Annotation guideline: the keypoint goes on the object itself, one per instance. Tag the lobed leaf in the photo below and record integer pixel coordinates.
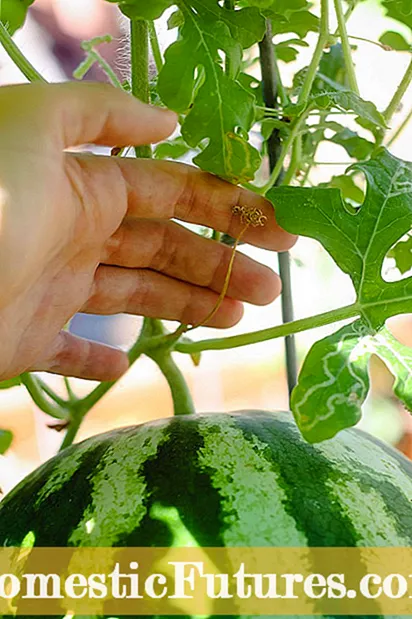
(219, 109)
(358, 242)
(333, 383)
(334, 378)
(401, 10)
(356, 146)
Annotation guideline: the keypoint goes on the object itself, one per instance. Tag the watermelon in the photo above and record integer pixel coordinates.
(236, 479)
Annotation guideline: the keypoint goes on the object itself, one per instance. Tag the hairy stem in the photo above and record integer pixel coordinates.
(18, 57)
(287, 144)
(255, 337)
(399, 94)
(317, 55)
(139, 50)
(346, 48)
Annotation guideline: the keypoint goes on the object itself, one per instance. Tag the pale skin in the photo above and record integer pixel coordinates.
(88, 233)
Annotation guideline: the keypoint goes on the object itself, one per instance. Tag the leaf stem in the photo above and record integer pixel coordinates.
(155, 47)
(399, 94)
(18, 57)
(346, 48)
(287, 144)
(317, 55)
(297, 326)
(38, 396)
(139, 52)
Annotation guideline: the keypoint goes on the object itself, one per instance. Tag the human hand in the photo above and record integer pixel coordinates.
(80, 232)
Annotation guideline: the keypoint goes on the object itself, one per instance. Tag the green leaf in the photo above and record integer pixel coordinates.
(173, 149)
(333, 383)
(298, 22)
(221, 111)
(286, 50)
(401, 10)
(334, 380)
(269, 124)
(350, 190)
(6, 438)
(13, 13)
(246, 26)
(396, 41)
(356, 146)
(11, 382)
(142, 9)
(358, 243)
(402, 253)
(333, 66)
(337, 96)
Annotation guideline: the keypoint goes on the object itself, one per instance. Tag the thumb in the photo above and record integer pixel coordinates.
(96, 113)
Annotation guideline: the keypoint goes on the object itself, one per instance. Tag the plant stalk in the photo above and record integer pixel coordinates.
(399, 94)
(38, 396)
(287, 144)
(181, 396)
(182, 400)
(139, 52)
(297, 326)
(19, 58)
(317, 55)
(346, 48)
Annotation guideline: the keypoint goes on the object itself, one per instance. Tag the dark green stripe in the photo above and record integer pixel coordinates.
(176, 482)
(53, 520)
(304, 473)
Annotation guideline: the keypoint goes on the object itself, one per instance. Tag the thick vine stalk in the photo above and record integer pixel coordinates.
(139, 44)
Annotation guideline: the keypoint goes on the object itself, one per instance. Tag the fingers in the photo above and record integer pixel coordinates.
(166, 190)
(152, 294)
(179, 253)
(70, 355)
(101, 114)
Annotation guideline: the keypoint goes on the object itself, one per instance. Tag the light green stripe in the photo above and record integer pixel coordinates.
(119, 489)
(252, 498)
(368, 513)
(353, 449)
(63, 471)
(365, 507)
